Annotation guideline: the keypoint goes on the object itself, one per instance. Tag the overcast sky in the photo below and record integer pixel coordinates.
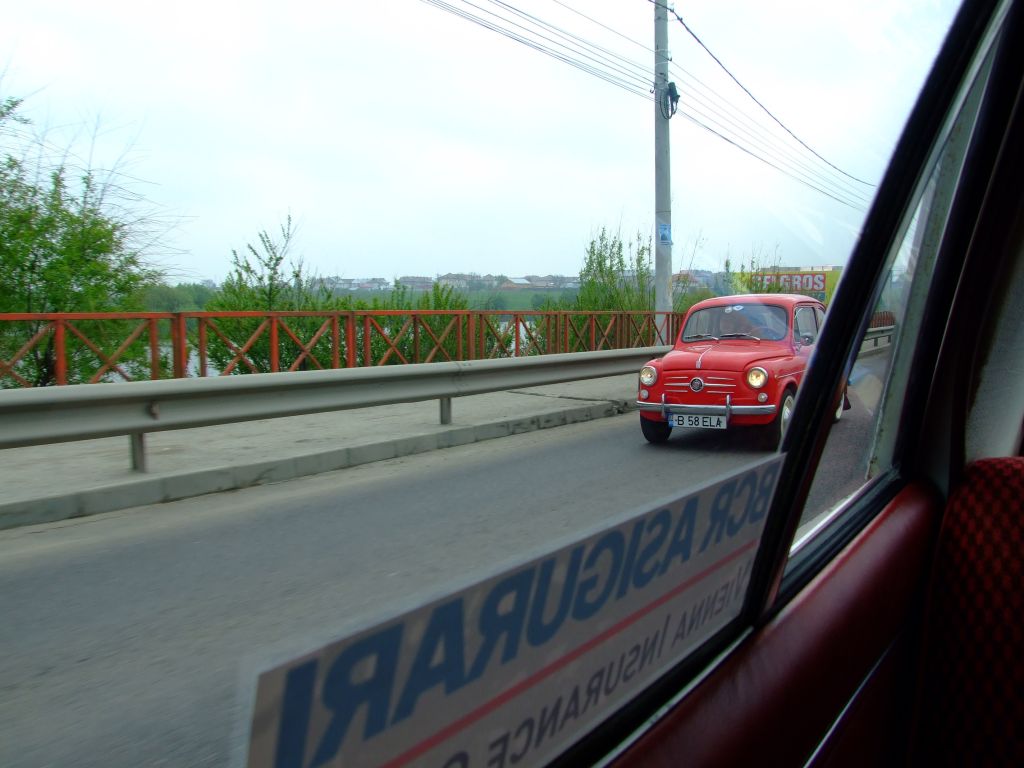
(404, 140)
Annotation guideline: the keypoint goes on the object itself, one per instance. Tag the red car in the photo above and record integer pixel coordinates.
(738, 362)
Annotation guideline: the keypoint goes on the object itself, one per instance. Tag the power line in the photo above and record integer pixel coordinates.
(599, 61)
(805, 182)
(768, 141)
(631, 69)
(751, 95)
(759, 153)
(740, 115)
(603, 26)
(631, 84)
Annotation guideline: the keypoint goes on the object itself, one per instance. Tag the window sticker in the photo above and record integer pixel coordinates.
(521, 665)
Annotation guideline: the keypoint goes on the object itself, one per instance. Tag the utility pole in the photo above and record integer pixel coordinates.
(662, 170)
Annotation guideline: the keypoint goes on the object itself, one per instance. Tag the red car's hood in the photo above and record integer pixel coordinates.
(722, 355)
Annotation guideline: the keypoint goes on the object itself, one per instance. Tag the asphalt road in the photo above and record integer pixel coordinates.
(134, 638)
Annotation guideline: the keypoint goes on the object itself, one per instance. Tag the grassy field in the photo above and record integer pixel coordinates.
(512, 300)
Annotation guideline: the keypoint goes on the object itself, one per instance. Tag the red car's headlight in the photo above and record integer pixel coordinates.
(757, 377)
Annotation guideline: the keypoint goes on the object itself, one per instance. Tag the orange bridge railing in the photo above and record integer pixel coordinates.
(73, 348)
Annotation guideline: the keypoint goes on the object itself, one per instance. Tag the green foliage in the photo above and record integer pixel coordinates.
(616, 278)
(684, 301)
(264, 278)
(497, 301)
(65, 246)
(728, 281)
(439, 297)
(183, 297)
(521, 300)
(428, 339)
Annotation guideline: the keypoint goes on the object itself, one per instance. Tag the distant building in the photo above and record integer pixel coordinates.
(489, 281)
(416, 282)
(692, 279)
(542, 283)
(454, 280)
(682, 281)
(563, 281)
(375, 284)
(516, 284)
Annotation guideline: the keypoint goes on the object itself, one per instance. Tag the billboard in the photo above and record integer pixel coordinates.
(818, 285)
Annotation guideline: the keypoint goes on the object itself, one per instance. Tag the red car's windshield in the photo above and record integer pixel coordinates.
(761, 321)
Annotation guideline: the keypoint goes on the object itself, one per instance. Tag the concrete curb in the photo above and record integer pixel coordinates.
(182, 485)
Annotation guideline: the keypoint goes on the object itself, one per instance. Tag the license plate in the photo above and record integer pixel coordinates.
(701, 422)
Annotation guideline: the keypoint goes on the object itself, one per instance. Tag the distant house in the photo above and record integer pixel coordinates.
(536, 281)
(375, 284)
(562, 281)
(682, 281)
(332, 283)
(489, 281)
(455, 280)
(516, 284)
(692, 279)
(416, 282)
(703, 277)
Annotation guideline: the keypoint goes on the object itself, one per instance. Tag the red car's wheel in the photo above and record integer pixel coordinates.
(655, 431)
(844, 405)
(773, 432)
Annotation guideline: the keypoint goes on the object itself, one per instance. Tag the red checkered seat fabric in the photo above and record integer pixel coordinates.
(971, 694)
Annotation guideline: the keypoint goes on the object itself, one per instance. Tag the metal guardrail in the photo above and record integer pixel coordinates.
(40, 416)
(62, 414)
(875, 335)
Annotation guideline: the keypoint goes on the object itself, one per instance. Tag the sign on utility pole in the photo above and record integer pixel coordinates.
(663, 108)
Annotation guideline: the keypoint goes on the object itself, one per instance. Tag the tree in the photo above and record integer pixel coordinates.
(616, 278)
(183, 297)
(264, 278)
(66, 245)
(495, 300)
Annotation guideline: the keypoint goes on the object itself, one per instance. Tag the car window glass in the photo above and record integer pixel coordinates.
(765, 321)
(861, 442)
(806, 325)
(699, 325)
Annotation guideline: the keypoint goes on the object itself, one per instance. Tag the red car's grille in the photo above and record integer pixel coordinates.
(717, 384)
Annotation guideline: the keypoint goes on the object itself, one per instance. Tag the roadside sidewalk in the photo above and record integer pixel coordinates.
(55, 482)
